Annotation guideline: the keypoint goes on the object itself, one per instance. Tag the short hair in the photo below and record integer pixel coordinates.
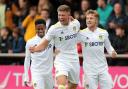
(93, 12)
(40, 21)
(123, 27)
(85, 1)
(64, 8)
(33, 8)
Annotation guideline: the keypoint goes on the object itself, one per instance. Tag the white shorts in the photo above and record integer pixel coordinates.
(69, 69)
(104, 79)
(43, 81)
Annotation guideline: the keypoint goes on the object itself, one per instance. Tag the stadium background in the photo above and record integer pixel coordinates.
(17, 21)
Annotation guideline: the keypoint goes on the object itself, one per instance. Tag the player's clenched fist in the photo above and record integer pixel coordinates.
(32, 49)
(114, 54)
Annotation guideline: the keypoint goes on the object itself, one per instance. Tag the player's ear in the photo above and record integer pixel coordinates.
(69, 13)
(97, 21)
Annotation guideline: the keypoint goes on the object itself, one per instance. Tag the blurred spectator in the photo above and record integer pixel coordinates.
(20, 10)
(28, 23)
(74, 4)
(9, 15)
(46, 16)
(44, 4)
(104, 11)
(17, 41)
(2, 13)
(5, 45)
(126, 8)
(120, 42)
(85, 5)
(118, 17)
(122, 2)
(76, 15)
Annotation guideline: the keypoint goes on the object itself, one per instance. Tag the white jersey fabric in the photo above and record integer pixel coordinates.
(41, 62)
(95, 64)
(93, 44)
(65, 39)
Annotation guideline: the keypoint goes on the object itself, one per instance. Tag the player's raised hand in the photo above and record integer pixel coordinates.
(71, 18)
(114, 54)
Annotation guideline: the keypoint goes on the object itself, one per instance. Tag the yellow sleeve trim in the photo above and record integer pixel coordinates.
(57, 25)
(102, 30)
(84, 30)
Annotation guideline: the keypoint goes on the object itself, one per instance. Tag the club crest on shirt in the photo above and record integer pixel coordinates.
(101, 37)
(74, 28)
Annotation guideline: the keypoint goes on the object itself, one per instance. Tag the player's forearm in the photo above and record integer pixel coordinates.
(41, 46)
(26, 67)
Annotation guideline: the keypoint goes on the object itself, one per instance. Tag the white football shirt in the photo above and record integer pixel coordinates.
(93, 44)
(41, 62)
(65, 39)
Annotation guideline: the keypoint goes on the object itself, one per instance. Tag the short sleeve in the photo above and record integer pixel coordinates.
(77, 23)
(50, 34)
(80, 37)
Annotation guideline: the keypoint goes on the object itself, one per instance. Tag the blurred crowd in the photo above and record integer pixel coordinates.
(17, 19)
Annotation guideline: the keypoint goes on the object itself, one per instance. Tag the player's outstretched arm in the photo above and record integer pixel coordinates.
(40, 47)
(114, 54)
(109, 47)
(26, 64)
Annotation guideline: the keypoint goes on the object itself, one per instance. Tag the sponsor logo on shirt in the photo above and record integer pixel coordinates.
(91, 44)
(101, 37)
(68, 37)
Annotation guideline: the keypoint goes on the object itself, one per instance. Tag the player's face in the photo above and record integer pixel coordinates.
(91, 21)
(63, 17)
(40, 30)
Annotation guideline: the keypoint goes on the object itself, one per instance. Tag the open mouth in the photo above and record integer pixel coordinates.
(61, 20)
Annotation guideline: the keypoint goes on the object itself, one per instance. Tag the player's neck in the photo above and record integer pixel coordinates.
(65, 24)
(41, 36)
(92, 28)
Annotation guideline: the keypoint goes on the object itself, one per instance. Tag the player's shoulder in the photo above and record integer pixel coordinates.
(76, 21)
(31, 40)
(101, 30)
(84, 30)
(56, 25)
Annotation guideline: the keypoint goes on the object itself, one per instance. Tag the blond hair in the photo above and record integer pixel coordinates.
(94, 12)
(64, 8)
